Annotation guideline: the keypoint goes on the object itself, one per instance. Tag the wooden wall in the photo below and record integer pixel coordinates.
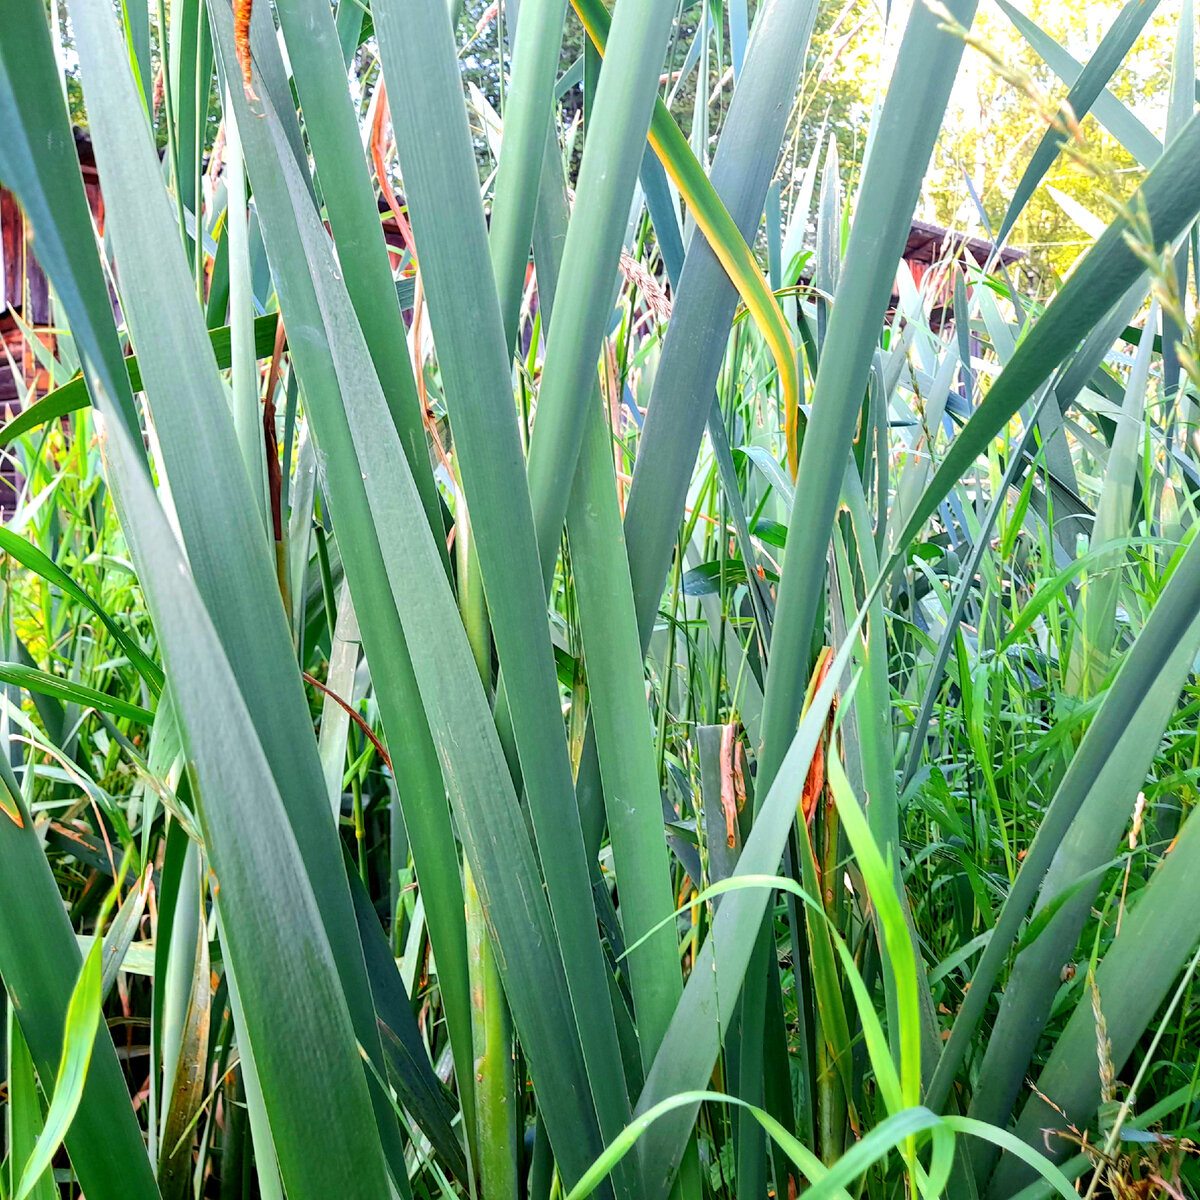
(25, 293)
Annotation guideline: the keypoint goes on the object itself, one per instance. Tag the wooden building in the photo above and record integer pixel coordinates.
(930, 247)
(24, 292)
(25, 307)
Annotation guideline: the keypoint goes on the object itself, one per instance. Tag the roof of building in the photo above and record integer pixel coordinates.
(927, 243)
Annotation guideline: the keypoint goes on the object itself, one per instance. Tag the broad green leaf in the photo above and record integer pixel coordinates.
(441, 185)
(631, 796)
(620, 115)
(902, 142)
(277, 180)
(1092, 652)
(713, 219)
(243, 357)
(681, 397)
(187, 75)
(319, 73)
(617, 696)
(227, 546)
(272, 929)
(458, 714)
(529, 104)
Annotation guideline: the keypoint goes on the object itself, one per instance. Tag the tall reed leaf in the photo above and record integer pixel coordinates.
(902, 142)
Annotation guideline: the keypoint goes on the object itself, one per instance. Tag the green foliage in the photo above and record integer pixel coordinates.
(508, 777)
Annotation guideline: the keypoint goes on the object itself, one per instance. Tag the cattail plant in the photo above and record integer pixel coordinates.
(542, 660)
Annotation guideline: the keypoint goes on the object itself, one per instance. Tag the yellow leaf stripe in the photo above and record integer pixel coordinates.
(720, 231)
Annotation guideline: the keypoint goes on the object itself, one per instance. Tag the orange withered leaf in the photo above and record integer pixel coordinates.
(241, 41)
(815, 782)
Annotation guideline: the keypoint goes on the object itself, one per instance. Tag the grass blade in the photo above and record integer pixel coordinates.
(29, 555)
(1156, 940)
(25, 1115)
(1168, 200)
(104, 1141)
(77, 693)
(73, 396)
(1106, 108)
(79, 1036)
(1126, 718)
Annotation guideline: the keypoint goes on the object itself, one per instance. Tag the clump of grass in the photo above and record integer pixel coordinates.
(518, 723)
